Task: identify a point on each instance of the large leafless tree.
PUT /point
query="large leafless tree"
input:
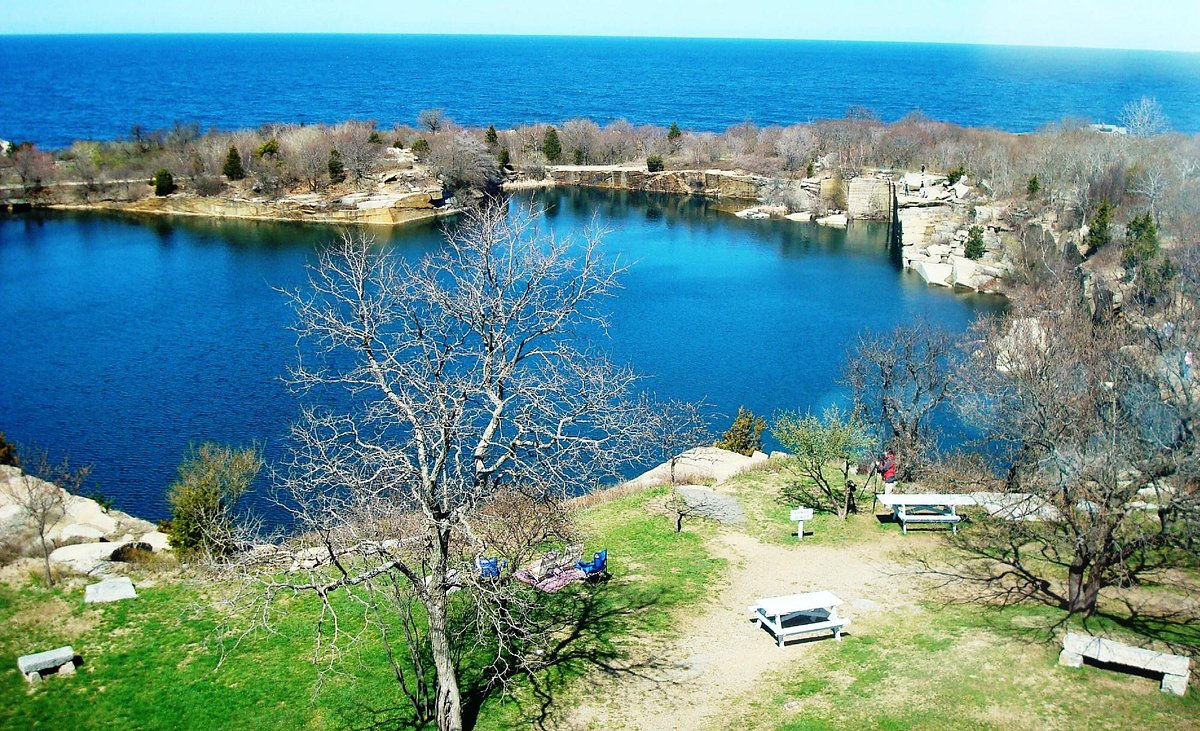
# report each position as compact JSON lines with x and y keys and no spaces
{"x":475,"y":403}
{"x":1095,"y":417}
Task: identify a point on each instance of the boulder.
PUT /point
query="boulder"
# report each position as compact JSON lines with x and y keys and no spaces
{"x":85,"y":558}
{"x":933,"y":273}
{"x":157,"y":540}
{"x":80,"y":532}
{"x":801,"y":216}
{"x":837,"y":219}
{"x":965,"y":271}
{"x":938,"y":251}
{"x":109,"y":590}
{"x":48,"y":660}
{"x":85,"y":511}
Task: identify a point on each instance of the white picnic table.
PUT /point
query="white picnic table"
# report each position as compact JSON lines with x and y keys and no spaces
{"x":816,"y":612}
{"x":926,"y":508}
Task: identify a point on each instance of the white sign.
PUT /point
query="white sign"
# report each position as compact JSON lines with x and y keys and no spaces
{"x":802,"y":514}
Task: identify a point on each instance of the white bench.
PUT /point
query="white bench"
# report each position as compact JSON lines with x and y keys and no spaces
{"x":799,"y":614}
{"x":927,"y":508}
{"x":1175,"y":669}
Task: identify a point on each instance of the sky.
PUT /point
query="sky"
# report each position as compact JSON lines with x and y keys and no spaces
{"x":1145,"y":24}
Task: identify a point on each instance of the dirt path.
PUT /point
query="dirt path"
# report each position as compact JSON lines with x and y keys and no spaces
{"x":721,"y":655}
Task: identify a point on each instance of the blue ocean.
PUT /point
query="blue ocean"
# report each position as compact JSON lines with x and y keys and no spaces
{"x":62,"y":88}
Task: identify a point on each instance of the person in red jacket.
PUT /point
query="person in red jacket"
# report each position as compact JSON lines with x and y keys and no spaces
{"x":887,"y":470}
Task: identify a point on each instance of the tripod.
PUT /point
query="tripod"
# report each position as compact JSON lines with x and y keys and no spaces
{"x":873,"y":475}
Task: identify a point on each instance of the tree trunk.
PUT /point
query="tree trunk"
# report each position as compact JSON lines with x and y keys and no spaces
{"x":1083,"y":589}
{"x":448,"y":705}
{"x":46,"y":561}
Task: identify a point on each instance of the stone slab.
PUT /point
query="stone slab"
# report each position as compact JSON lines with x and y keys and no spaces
{"x":1175,"y":668}
{"x":109,"y":590}
{"x":48,"y":660}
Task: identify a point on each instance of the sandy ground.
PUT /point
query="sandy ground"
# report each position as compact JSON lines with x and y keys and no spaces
{"x":721,"y":655}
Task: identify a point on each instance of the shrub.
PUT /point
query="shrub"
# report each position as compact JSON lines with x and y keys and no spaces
{"x":974,"y":248}
{"x":491,"y":137}
{"x":551,"y":146}
{"x":744,"y":435}
{"x":209,"y":184}
{"x":503,"y":159}
{"x":8,"y":452}
{"x":337,"y":170}
{"x":163,"y":182}
{"x":578,"y":156}
{"x":270,"y":148}
{"x":1141,"y":242}
{"x":420,"y":146}
{"x":956,"y":174}
{"x":654,"y":163}
{"x":133,"y":553}
{"x":1033,"y":186}
{"x":203,"y":498}
{"x":374,"y":138}
{"x":835,"y":440}
{"x":232,"y":168}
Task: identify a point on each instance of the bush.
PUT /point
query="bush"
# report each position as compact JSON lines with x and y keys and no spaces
{"x":209,"y":184}
{"x":974,"y":248}
{"x":420,"y":147}
{"x":504,"y":158}
{"x":490,"y":137}
{"x":8,"y":452}
{"x":654,"y":163}
{"x":835,"y":440}
{"x":270,"y":148}
{"x":374,"y":138}
{"x":956,"y":174}
{"x":1033,"y":186}
{"x":203,"y":498}
{"x":232,"y":169}
{"x":337,"y":170}
{"x":744,"y":436}
{"x":163,"y":182}
{"x":1141,"y":242}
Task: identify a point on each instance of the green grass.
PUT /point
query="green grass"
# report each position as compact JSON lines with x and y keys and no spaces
{"x":152,"y":663}
{"x":956,"y":668}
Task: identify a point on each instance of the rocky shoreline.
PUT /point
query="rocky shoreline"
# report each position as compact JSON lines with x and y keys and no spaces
{"x":84,"y":535}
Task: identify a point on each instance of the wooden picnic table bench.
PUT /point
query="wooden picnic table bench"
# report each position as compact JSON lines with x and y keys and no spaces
{"x":799,"y":614}
{"x":926,"y":508}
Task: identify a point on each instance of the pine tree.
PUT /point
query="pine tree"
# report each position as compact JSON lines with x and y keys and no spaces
{"x":745,"y":434}
{"x":490,"y":137}
{"x":551,"y":146}
{"x":1099,"y":234}
{"x":337,"y":170}
{"x":232,"y":168}
{"x":674,"y":133}
{"x":974,"y":248}
{"x":1033,"y":186}
{"x":503,"y":158}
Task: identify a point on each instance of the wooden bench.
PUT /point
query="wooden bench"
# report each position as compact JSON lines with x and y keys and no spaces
{"x":1175,"y":669}
{"x":799,"y":614}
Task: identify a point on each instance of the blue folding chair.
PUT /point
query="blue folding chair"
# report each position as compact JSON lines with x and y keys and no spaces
{"x":598,"y":566}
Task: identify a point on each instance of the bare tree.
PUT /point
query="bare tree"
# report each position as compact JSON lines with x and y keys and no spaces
{"x":899,"y":379}
{"x":1095,"y":419}
{"x":1144,"y":117}
{"x":672,"y":427}
{"x":306,"y":151}
{"x":33,"y":167}
{"x":353,"y":142}
{"x":467,"y":388}
{"x":432,"y":120}
{"x":40,"y":493}
{"x":462,"y":160}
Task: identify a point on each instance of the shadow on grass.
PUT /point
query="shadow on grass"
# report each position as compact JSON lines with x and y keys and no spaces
{"x":582,"y":626}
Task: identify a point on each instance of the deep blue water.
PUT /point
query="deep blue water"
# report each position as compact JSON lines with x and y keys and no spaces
{"x":61,"y":88}
{"x":128,"y":338}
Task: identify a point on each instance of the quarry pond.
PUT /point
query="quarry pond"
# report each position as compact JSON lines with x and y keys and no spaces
{"x":127,"y":338}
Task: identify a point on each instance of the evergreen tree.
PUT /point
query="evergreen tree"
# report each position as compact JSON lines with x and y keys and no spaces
{"x":490,"y":137}
{"x":503,"y":158}
{"x":374,"y":138}
{"x":232,"y":168}
{"x":163,"y":182}
{"x":1141,"y":242}
{"x":673,"y":135}
{"x":745,"y":434}
{"x":337,"y":170}
{"x":551,"y":146}
{"x":974,"y":248}
{"x":1099,"y":234}
{"x":420,"y":146}
{"x":1033,"y":186}
{"x":654,"y":163}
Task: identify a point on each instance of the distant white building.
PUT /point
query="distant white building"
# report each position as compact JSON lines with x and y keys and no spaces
{"x":1109,"y":129}
{"x":5,"y":147}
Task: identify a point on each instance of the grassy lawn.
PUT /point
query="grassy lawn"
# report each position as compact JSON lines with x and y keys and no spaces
{"x":952,"y":668}
{"x":152,"y":662}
